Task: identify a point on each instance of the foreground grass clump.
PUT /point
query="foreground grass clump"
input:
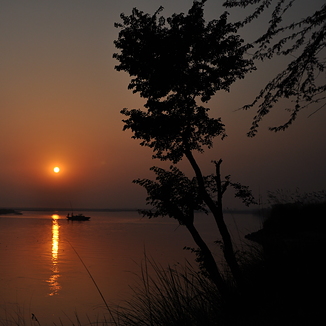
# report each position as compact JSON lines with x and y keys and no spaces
{"x":276,"y":292}
{"x":171,"y":296}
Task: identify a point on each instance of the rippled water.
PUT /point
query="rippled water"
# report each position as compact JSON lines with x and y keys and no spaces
{"x":41,"y":272}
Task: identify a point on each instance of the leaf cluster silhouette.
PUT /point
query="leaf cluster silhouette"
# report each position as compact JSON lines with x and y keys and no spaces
{"x":304,"y":39}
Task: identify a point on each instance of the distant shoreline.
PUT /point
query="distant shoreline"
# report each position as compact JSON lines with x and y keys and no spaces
{"x":17,"y":210}
{"x":4,"y":211}
{"x":42,"y":209}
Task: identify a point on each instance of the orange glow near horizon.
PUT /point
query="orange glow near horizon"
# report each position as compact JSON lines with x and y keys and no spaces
{"x":61,"y":102}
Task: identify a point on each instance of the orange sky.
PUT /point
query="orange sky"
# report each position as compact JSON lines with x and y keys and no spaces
{"x":60,"y":99}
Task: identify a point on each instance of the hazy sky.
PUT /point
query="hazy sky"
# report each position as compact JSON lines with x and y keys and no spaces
{"x":60,"y":101}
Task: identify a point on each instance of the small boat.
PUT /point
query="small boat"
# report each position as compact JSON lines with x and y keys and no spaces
{"x":78,"y":217}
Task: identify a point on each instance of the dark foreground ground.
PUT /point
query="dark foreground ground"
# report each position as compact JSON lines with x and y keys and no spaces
{"x":288,"y":278}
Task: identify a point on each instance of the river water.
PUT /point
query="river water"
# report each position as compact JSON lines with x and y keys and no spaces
{"x":46,"y":261}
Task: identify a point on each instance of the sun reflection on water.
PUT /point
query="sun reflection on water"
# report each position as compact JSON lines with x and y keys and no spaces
{"x":53,"y":280}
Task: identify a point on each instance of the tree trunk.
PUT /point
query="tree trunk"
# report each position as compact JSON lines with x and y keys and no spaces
{"x":208,"y":261}
{"x":228,"y":246}
{"x":217,"y":211}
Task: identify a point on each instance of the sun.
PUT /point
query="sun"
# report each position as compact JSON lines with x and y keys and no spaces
{"x":56,"y":169}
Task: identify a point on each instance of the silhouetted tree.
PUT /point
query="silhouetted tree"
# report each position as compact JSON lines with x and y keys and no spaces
{"x":175,"y":63}
{"x":303,"y":39}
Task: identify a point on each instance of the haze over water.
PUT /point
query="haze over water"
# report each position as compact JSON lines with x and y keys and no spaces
{"x":42,"y":274}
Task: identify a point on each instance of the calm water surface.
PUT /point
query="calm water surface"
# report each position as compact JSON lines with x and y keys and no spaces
{"x":41,"y":273}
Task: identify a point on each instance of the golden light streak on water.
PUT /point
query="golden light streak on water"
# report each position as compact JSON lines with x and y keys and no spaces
{"x":53,"y":280}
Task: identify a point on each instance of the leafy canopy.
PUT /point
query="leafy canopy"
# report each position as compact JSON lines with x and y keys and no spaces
{"x":181,"y":54}
{"x":172,"y":132}
{"x":173,"y":62}
{"x":172,"y":194}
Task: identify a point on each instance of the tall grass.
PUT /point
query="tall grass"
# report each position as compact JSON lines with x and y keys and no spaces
{"x":170,"y":296}
{"x":16,"y":315}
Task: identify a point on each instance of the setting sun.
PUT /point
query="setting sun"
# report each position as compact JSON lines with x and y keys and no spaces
{"x":56,"y":169}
